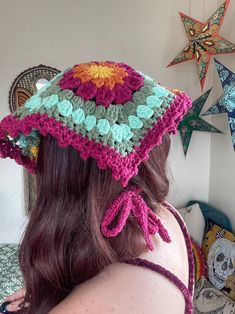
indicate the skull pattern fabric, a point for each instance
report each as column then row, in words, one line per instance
column 221, row 262
column 219, row 250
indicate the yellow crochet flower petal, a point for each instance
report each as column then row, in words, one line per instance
column 34, row 151
column 101, row 74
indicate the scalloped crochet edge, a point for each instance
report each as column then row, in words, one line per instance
column 123, row 167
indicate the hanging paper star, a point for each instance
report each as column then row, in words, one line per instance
column 192, row 122
column 204, row 41
column 226, row 104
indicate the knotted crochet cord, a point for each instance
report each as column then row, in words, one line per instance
column 130, row 201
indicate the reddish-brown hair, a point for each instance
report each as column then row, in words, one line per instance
column 63, row 245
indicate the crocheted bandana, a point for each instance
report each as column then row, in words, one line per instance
column 105, row 110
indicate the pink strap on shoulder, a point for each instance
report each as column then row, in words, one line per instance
column 191, row 281
column 130, row 201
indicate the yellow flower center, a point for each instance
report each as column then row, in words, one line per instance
column 100, row 71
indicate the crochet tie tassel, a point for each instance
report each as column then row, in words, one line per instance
column 129, row 201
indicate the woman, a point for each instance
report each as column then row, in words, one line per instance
column 101, row 238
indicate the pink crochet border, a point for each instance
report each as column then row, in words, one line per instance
column 123, row 168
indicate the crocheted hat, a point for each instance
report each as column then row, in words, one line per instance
column 105, row 110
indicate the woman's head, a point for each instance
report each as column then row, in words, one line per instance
column 86, row 134
column 63, row 245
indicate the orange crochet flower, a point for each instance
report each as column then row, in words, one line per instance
column 104, row 82
column 100, row 73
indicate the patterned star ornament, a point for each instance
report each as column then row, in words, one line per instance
column 192, row 122
column 204, row 41
column 226, row 103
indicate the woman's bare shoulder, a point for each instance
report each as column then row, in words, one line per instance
column 123, row 294
column 123, row 289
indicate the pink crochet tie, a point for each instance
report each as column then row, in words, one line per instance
column 130, row 201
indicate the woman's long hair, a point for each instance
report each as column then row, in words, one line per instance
column 63, row 245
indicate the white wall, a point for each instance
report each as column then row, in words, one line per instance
column 146, row 34
column 222, row 175
column 12, row 219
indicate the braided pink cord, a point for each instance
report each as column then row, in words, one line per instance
column 187, row 291
column 130, row 201
column 169, row 275
column 191, row 277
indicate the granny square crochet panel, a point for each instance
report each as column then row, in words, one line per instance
column 105, row 110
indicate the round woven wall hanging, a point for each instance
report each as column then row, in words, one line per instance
column 28, row 82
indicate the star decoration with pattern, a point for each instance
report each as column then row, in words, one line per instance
column 192, row 122
column 226, row 103
column 204, row 41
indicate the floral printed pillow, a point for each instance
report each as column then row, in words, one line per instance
column 10, row 275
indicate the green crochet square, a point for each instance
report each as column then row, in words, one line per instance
column 121, row 126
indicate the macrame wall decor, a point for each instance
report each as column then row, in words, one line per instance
column 204, row 41
column 24, row 86
column 28, row 83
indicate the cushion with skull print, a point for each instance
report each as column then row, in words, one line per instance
column 219, row 251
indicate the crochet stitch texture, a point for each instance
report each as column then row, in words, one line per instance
column 105, row 110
